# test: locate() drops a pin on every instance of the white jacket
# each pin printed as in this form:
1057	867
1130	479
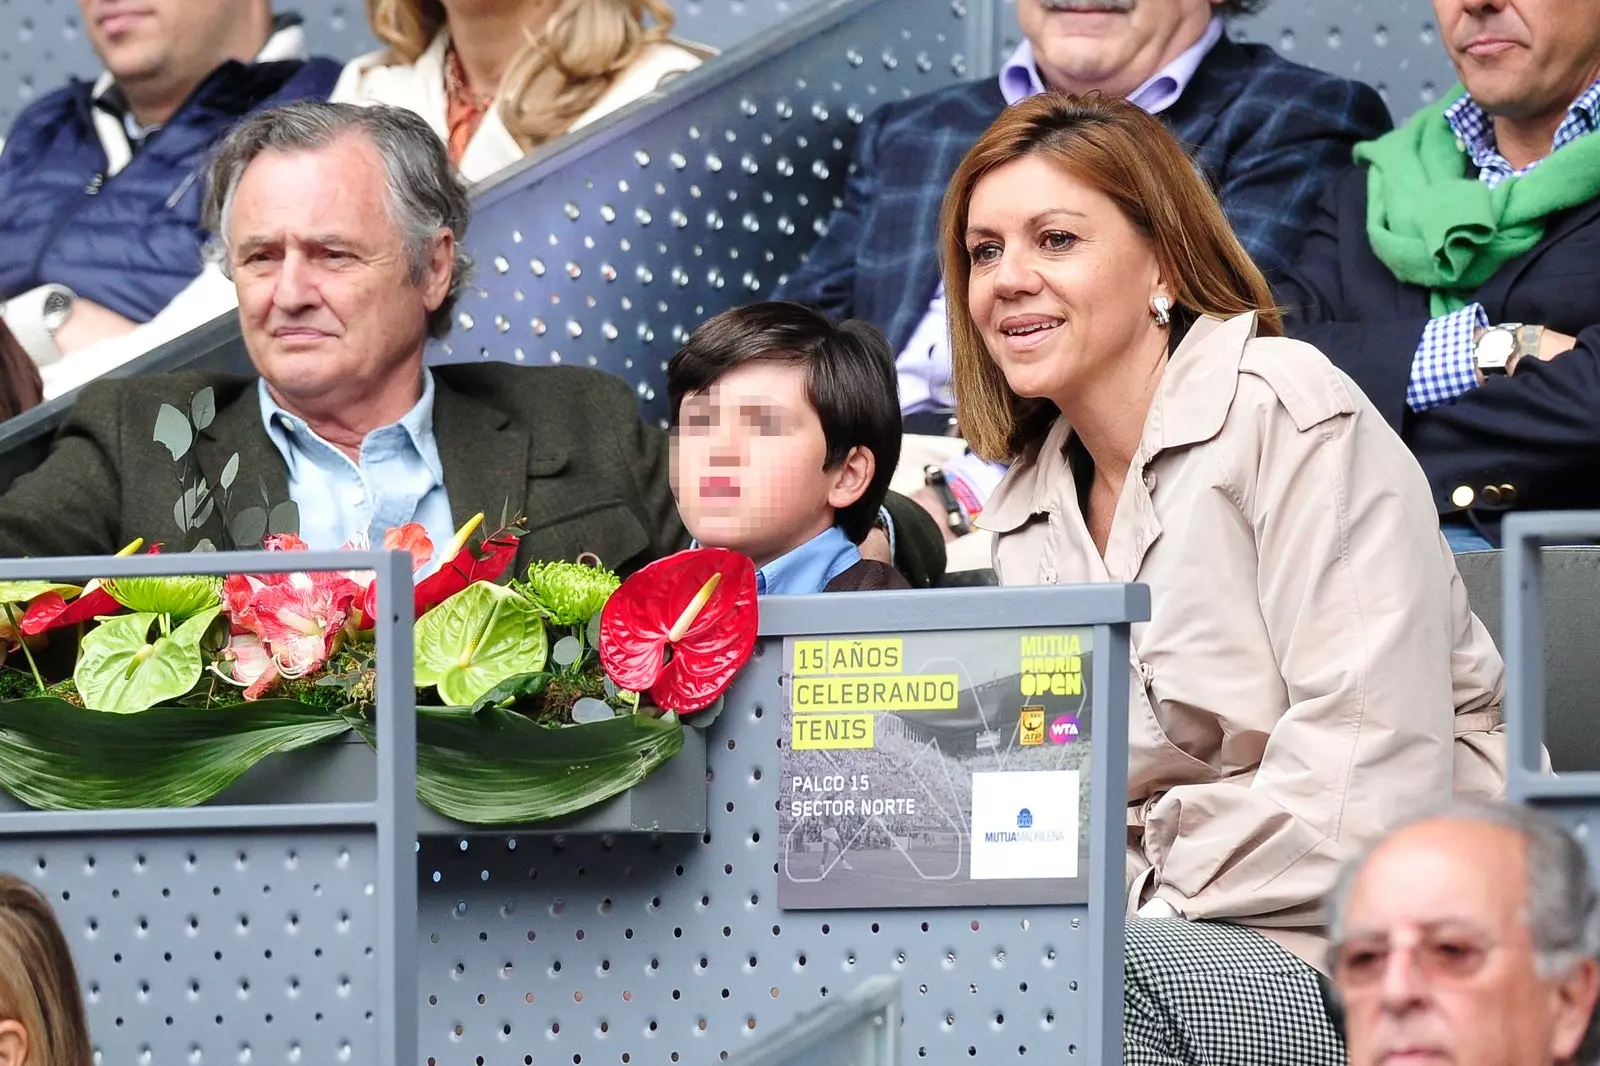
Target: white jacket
419	87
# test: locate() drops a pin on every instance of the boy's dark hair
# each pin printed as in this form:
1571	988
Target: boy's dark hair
850	382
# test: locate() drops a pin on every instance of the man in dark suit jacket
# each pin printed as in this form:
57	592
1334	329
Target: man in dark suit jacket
1501	417
1270	135
346	434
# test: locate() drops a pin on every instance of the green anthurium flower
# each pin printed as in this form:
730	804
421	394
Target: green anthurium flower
126	665
569	594
181	597
28	591
476	639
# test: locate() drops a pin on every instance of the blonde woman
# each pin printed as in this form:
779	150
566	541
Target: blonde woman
498	78
41	1011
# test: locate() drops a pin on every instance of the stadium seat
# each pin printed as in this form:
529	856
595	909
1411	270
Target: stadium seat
1572	669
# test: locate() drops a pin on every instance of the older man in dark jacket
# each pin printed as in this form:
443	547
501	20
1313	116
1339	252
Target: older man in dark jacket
1268	133
100	181
346	433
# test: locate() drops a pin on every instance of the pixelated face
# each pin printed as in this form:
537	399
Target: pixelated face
327	300
181	40
1060	284
1522	58
1111	45
747	463
1436	964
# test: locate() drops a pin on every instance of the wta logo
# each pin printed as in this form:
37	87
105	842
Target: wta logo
1064	730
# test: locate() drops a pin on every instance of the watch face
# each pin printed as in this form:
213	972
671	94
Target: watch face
1494	349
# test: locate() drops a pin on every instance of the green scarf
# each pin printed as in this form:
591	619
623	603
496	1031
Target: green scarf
1433	225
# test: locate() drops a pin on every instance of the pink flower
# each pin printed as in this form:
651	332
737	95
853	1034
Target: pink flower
252	665
300	619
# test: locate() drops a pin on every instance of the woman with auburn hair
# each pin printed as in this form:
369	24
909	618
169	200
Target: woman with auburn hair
41	1010
20	387
1311	670
498	78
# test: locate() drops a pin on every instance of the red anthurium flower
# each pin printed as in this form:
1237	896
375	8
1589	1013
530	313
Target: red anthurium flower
51	611
681	627
463	566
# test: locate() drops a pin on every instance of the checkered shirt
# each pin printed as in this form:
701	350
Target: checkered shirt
1443	367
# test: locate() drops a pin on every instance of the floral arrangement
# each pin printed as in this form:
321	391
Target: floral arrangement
535	698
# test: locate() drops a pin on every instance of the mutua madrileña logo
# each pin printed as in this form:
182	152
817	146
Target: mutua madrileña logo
1024	833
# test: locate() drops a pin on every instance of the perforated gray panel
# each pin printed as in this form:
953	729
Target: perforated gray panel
631	950
1392	45
725	23
205	949
612	254
42	43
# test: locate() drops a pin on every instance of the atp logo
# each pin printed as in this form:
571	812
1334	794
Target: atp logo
1064	730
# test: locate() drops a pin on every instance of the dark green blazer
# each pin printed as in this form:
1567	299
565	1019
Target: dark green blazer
564	447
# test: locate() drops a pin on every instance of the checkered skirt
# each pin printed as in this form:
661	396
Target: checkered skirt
1208	994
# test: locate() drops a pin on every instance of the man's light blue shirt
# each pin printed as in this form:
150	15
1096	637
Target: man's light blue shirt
399	478
809	567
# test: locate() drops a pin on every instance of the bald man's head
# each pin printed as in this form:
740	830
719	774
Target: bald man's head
1466	939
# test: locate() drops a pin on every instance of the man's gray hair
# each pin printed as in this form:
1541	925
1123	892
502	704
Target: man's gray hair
1562	907
423	192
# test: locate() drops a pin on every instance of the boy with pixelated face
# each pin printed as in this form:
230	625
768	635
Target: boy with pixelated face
785	433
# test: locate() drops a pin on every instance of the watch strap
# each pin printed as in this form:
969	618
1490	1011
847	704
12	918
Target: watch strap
955	515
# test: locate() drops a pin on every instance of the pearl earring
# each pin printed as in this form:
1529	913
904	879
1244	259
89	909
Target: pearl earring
1161	308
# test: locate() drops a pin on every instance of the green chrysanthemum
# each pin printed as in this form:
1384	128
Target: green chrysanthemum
569	594
182	597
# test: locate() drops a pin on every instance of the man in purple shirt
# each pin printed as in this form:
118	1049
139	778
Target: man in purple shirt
1268	133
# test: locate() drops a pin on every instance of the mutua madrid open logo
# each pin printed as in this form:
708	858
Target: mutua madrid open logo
1064	730
1025	833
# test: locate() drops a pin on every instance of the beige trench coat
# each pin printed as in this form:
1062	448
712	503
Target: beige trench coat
1311	672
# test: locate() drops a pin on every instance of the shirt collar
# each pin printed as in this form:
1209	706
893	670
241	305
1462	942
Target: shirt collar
1019	77
417	424
1474	129
809	567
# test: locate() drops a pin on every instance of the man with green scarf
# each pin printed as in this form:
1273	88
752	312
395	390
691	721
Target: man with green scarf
1454	273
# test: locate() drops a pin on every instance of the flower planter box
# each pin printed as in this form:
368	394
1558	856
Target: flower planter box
670	800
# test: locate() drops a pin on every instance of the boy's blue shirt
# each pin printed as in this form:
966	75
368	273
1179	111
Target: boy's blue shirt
809	567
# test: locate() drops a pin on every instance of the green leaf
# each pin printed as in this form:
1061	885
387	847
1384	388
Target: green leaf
230	470
121	671
496	767
203	408
173	431
513	690
181	597
248	527
285	518
57	756
476	639
28	591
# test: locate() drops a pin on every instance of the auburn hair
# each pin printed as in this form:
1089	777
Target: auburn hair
1122	152
562	69
20	387
38	982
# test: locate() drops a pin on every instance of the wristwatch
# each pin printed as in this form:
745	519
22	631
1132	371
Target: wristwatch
955	516
58	302
1499	348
